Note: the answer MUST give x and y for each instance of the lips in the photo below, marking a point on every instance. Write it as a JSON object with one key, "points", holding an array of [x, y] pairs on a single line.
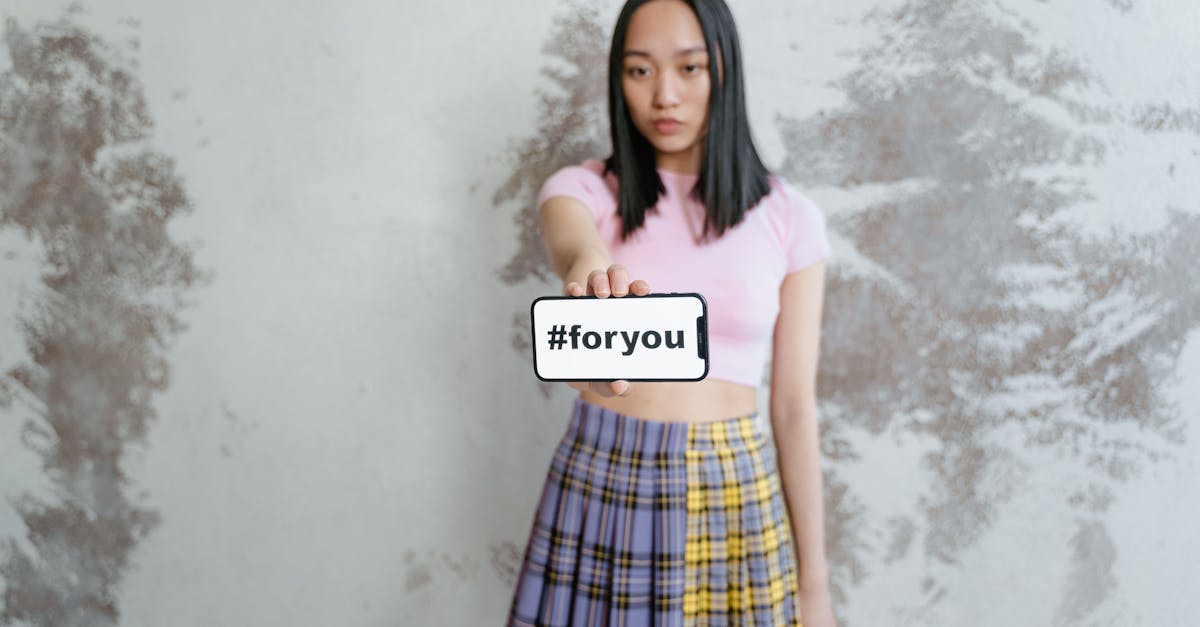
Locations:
{"points": [[667, 125]]}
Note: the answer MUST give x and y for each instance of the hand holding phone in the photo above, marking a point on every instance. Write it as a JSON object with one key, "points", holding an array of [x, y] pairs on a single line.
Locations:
{"points": [[601, 283]]}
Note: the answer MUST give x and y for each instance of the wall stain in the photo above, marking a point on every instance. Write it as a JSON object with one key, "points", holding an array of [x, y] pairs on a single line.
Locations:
{"points": [[995, 324], [421, 570], [77, 177], [573, 128], [1091, 579], [237, 429], [418, 576], [521, 339], [902, 530], [1164, 117], [506, 561]]}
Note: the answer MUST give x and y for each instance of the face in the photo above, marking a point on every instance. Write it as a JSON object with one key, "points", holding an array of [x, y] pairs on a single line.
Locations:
{"points": [[666, 83]]}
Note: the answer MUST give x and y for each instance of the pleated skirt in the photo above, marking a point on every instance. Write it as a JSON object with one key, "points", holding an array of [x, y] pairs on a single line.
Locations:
{"points": [[643, 522]]}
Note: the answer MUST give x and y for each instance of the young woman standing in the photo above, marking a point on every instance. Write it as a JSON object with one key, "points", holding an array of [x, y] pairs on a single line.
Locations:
{"points": [[666, 503]]}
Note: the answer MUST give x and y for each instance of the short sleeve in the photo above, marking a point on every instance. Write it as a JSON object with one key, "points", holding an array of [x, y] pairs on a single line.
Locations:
{"points": [[580, 183], [807, 240]]}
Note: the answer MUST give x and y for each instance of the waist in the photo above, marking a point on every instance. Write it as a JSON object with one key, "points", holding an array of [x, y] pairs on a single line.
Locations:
{"points": [[632, 438], [677, 401]]}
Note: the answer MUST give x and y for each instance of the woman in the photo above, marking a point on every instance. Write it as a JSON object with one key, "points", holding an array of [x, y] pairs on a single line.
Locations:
{"points": [[665, 503]]}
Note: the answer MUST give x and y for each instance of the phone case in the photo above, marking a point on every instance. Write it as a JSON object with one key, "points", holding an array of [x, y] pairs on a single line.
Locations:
{"points": [[656, 337]]}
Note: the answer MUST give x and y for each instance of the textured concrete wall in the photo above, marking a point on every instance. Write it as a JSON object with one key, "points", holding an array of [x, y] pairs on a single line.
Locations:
{"points": [[264, 268]]}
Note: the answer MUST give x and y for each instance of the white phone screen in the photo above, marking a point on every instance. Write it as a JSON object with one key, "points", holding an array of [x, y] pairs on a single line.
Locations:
{"points": [[657, 337]]}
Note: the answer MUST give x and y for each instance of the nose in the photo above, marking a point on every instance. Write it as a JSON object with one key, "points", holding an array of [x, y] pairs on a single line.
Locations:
{"points": [[666, 91]]}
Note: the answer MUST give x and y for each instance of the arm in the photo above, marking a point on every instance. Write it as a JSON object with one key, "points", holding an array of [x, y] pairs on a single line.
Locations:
{"points": [[579, 257], [797, 439], [572, 242]]}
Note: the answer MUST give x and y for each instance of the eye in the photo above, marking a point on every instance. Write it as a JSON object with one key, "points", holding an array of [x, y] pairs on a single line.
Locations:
{"points": [[692, 68], [637, 72]]}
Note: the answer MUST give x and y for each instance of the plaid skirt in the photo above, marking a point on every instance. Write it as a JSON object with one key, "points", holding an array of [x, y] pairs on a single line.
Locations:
{"points": [[658, 523]]}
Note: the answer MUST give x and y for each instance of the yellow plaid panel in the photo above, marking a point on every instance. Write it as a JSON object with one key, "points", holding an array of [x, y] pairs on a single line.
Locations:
{"points": [[739, 565]]}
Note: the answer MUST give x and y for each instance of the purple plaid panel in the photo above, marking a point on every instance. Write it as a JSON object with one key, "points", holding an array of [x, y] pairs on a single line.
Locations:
{"points": [[607, 543]]}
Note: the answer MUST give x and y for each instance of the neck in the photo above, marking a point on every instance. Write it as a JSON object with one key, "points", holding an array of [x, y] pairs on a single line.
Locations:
{"points": [[682, 162]]}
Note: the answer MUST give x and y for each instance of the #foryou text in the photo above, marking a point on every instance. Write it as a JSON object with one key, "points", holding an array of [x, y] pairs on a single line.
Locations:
{"points": [[625, 341]]}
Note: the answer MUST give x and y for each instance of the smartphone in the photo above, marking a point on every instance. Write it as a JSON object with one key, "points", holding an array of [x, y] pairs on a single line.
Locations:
{"points": [[656, 337]]}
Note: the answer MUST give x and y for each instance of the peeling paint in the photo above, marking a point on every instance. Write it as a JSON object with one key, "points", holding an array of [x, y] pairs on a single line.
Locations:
{"points": [[958, 94], [573, 127], [79, 181], [903, 530]]}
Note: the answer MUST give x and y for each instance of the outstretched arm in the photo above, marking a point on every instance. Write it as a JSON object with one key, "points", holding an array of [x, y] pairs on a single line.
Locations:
{"points": [[579, 256], [572, 242]]}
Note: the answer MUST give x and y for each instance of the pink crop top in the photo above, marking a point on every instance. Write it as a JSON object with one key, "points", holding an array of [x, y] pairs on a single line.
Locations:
{"points": [[739, 274]]}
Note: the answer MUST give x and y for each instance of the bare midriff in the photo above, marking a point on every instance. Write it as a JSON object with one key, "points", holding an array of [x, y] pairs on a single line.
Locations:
{"points": [[679, 401]]}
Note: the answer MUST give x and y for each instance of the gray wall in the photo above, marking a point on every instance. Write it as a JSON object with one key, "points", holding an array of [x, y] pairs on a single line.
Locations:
{"points": [[264, 268]]}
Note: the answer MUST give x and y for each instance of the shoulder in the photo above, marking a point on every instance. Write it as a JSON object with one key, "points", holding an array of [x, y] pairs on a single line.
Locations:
{"points": [[589, 172], [785, 205], [791, 207], [799, 223], [585, 181], [787, 198]]}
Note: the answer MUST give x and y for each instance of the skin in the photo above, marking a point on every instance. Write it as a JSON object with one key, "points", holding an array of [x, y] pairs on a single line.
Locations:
{"points": [[665, 74]]}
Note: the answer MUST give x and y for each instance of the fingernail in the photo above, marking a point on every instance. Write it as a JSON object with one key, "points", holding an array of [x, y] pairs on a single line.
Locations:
{"points": [[622, 388]]}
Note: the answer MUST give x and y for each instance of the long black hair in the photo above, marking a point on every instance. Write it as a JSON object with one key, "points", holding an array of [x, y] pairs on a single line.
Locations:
{"points": [[732, 177]]}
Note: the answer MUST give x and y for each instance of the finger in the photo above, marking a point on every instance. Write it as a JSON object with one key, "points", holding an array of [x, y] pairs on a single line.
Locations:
{"points": [[598, 283], [618, 279], [620, 387], [573, 289], [590, 282], [639, 287]]}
